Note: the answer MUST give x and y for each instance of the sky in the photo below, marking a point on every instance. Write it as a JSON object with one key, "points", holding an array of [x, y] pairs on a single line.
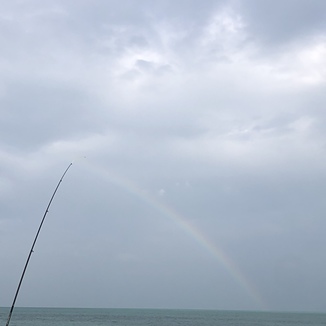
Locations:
{"points": [[197, 135]]}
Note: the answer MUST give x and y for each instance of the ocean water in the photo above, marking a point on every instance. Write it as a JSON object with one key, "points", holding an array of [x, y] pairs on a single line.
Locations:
{"points": [[164, 317]]}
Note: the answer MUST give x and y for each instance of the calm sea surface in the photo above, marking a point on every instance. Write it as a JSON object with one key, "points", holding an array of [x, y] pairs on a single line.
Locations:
{"points": [[145, 317]]}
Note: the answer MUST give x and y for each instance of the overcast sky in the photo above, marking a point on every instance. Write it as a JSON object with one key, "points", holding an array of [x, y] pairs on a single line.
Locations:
{"points": [[197, 135]]}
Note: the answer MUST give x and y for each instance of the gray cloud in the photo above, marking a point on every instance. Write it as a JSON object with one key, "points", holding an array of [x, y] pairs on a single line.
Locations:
{"points": [[202, 128], [281, 22]]}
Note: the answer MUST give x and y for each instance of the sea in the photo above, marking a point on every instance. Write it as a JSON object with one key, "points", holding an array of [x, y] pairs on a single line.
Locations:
{"points": [[155, 317]]}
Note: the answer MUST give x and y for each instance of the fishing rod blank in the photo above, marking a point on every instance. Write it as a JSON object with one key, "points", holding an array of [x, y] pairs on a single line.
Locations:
{"points": [[32, 249]]}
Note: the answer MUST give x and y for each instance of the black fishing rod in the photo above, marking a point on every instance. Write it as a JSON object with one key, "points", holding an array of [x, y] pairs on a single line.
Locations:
{"points": [[32, 249]]}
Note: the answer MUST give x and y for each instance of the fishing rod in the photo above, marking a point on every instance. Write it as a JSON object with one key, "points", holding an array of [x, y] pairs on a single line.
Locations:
{"points": [[32, 248]]}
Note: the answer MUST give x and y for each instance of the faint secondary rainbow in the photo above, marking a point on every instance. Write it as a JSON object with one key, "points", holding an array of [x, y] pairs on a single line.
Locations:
{"points": [[187, 227]]}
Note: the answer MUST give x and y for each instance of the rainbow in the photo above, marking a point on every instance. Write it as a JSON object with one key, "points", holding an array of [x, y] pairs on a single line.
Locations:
{"points": [[197, 235]]}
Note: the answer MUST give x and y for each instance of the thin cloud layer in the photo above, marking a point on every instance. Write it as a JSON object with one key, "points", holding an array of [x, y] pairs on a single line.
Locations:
{"points": [[197, 138]]}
